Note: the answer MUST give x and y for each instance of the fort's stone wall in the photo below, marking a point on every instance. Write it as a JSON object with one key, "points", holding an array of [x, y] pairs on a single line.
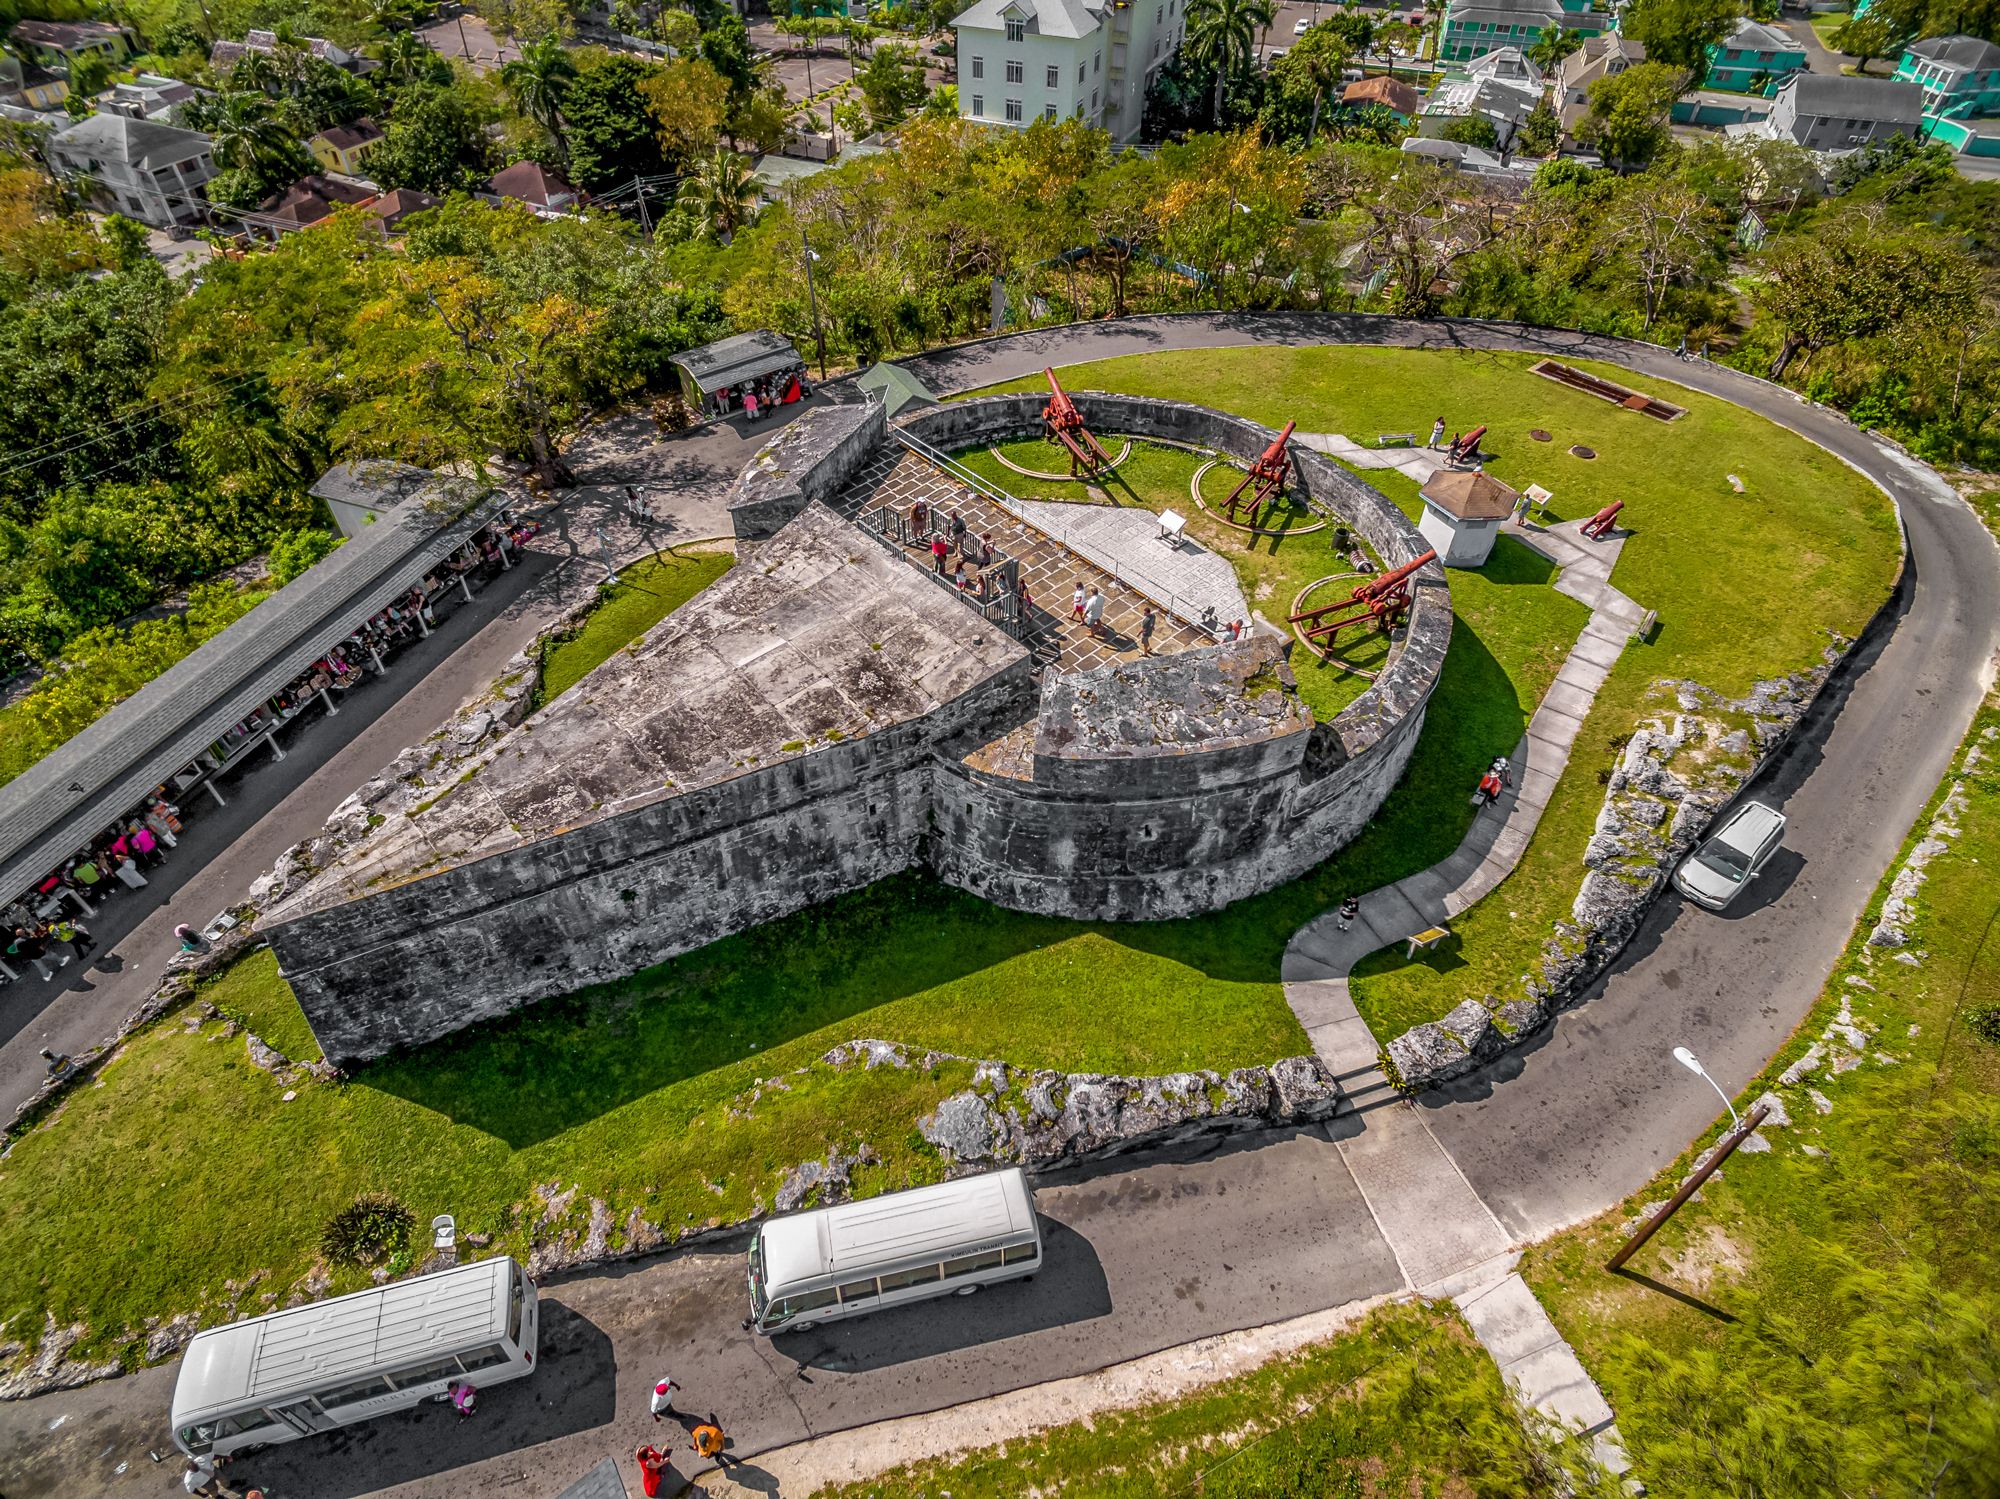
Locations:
{"points": [[809, 460]]}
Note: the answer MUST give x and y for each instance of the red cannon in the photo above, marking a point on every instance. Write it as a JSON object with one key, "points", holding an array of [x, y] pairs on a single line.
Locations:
{"points": [[1599, 525], [1382, 601], [1064, 424], [1265, 481], [1465, 449]]}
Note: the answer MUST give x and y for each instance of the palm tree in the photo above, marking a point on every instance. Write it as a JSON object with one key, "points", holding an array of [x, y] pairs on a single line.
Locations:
{"points": [[539, 77], [1223, 34], [249, 136], [723, 190], [1552, 46], [405, 57]]}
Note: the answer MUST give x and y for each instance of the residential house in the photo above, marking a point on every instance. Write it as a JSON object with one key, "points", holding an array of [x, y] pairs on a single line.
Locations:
{"points": [[148, 97], [225, 55], [1500, 87], [57, 44], [1474, 161], [398, 204], [1828, 112], [1382, 92], [307, 202], [140, 168], [1025, 60], [1754, 59], [1960, 75], [1474, 27], [30, 85], [342, 148], [1603, 56], [532, 183]]}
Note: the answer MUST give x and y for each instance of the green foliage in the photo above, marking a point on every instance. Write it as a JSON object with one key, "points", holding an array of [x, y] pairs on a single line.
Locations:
{"points": [[1540, 133], [101, 668], [1678, 33], [296, 551], [435, 142], [647, 592], [611, 134], [1898, 167], [1629, 111], [1473, 130], [1222, 36], [372, 1229], [893, 84], [1984, 1022], [1554, 44], [1297, 94]]}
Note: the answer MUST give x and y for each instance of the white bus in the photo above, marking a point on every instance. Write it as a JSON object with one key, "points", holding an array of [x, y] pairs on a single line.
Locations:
{"points": [[842, 1261], [312, 1368]]}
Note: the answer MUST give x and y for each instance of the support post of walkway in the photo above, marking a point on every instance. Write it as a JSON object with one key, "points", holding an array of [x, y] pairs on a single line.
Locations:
{"points": [[77, 895], [277, 749], [209, 787], [465, 588], [380, 669], [1724, 1149], [326, 702]]}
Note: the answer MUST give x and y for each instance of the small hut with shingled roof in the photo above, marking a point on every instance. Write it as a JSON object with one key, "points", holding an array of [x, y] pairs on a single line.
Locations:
{"points": [[1463, 512]]}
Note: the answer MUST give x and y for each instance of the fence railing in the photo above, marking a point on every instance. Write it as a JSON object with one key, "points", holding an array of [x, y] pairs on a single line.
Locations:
{"points": [[1190, 612], [996, 598]]}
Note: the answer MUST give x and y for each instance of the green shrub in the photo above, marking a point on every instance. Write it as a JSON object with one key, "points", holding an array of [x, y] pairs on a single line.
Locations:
{"points": [[373, 1228], [1984, 1022]]}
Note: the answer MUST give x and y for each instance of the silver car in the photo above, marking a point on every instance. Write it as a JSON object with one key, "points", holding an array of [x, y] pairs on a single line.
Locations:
{"points": [[1713, 874]]}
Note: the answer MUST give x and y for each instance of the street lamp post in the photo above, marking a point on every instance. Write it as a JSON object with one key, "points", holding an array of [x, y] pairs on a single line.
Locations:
{"points": [[1740, 1130], [812, 295]]}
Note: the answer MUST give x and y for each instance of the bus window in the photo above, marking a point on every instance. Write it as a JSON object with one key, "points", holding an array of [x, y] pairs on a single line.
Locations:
{"points": [[490, 1357], [902, 1279], [859, 1290], [972, 1264], [355, 1393], [1015, 1253], [422, 1374], [788, 1307]]}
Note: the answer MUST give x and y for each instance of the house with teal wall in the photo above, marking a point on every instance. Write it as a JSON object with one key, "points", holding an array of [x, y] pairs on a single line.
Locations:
{"points": [[1472, 28], [1960, 75], [1754, 59]]}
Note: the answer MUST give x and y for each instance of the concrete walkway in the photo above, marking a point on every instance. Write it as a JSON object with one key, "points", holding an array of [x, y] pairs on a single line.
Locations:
{"points": [[1414, 463], [1445, 1238]]}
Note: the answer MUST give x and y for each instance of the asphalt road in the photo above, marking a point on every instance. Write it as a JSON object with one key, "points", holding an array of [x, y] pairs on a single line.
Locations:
{"points": [[1192, 1243]]}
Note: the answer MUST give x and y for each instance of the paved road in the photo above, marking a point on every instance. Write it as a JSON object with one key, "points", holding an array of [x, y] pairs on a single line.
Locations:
{"points": [[1186, 1244], [273, 804]]}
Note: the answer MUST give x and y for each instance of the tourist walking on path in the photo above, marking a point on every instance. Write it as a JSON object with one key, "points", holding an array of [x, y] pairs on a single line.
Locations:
{"points": [[986, 549], [76, 934], [146, 846], [200, 1476], [28, 944], [1093, 612], [127, 871], [710, 1442], [1350, 907], [464, 1398], [1146, 624], [1076, 601], [662, 1402], [939, 548], [653, 1467]]}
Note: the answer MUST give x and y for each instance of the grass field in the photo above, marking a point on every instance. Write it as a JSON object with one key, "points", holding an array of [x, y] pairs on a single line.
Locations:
{"points": [[626, 1091], [1748, 586], [1406, 1403], [1823, 1318], [646, 593]]}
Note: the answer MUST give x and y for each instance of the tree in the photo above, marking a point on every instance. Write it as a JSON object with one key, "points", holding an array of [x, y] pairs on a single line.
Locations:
{"points": [[1898, 167], [407, 58], [434, 142], [255, 145], [723, 190], [612, 134], [1852, 277], [725, 46], [1627, 119], [538, 79], [893, 84], [1300, 81], [688, 101], [1473, 130], [1419, 223], [1680, 32], [1554, 44], [1223, 35], [1666, 232], [1865, 37], [1541, 132]]}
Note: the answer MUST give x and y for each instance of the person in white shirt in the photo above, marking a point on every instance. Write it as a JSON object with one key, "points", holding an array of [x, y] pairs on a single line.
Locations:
{"points": [[200, 1476], [662, 1403]]}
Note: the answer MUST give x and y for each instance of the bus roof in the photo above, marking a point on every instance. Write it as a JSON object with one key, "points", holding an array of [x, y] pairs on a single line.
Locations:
{"points": [[922, 1223], [307, 1347]]}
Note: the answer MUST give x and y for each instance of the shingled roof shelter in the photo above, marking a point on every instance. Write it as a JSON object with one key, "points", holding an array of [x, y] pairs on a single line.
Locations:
{"points": [[730, 363], [168, 730], [1463, 512]]}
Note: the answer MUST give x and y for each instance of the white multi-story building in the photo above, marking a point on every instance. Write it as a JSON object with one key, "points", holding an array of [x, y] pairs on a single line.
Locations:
{"points": [[1025, 60], [144, 170]]}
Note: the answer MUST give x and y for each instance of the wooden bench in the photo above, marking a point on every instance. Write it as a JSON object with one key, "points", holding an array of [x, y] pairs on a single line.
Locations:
{"points": [[1425, 940], [1395, 439]]}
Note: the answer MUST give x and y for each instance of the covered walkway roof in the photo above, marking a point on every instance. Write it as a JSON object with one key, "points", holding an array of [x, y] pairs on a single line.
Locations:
{"points": [[731, 361], [58, 804]]}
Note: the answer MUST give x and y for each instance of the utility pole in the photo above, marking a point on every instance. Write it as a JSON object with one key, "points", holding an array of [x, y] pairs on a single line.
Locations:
{"points": [[645, 220], [464, 47], [812, 295]]}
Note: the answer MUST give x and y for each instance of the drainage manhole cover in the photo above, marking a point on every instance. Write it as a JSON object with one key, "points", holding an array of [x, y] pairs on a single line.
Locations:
{"points": [[1540, 436], [1583, 452]]}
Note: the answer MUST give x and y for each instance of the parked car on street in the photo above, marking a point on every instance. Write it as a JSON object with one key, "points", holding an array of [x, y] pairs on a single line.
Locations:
{"points": [[1714, 874]]}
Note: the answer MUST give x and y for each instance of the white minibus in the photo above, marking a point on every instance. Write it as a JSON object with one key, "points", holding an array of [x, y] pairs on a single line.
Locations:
{"points": [[330, 1363], [836, 1262]]}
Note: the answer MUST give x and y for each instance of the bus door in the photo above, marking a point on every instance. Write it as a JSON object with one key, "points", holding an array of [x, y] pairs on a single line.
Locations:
{"points": [[304, 1416]]}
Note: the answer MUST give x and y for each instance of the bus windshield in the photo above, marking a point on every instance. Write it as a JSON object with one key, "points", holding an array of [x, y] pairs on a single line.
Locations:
{"points": [[759, 1299]]}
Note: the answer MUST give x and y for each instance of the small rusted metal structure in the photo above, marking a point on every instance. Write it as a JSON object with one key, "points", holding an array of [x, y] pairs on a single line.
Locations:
{"points": [[1600, 524], [1382, 601], [1465, 449], [1265, 481], [1063, 424]]}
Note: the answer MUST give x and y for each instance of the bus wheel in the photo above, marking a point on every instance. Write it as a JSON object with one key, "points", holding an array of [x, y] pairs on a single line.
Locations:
{"points": [[965, 1290], [804, 1326]]}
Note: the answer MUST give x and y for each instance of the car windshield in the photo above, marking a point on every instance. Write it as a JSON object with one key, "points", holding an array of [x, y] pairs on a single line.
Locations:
{"points": [[758, 1298], [1724, 860]]}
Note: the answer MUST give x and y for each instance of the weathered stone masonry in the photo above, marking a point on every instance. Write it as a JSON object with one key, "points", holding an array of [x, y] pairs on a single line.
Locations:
{"points": [[825, 716]]}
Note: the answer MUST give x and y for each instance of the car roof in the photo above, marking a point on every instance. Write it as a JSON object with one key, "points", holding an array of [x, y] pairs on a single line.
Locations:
{"points": [[1751, 824]]}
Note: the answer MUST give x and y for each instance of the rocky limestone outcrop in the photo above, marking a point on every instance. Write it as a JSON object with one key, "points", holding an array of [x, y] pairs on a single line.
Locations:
{"points": [[1678, 768]]}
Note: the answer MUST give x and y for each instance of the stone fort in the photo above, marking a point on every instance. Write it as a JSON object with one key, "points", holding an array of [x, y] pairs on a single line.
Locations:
{"points": [[829, 712]]}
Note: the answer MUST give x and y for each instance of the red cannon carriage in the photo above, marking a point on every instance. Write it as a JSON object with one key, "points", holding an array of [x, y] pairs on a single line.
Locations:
{"points": [[1265, 481], [1465, 449], [1064, 424], [1382, 601]]}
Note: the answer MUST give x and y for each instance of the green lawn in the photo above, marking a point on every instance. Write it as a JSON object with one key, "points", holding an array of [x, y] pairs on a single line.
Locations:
{"points": [[646, 593], [1824, 1317], [1406, 1404], [1747, 585]]}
